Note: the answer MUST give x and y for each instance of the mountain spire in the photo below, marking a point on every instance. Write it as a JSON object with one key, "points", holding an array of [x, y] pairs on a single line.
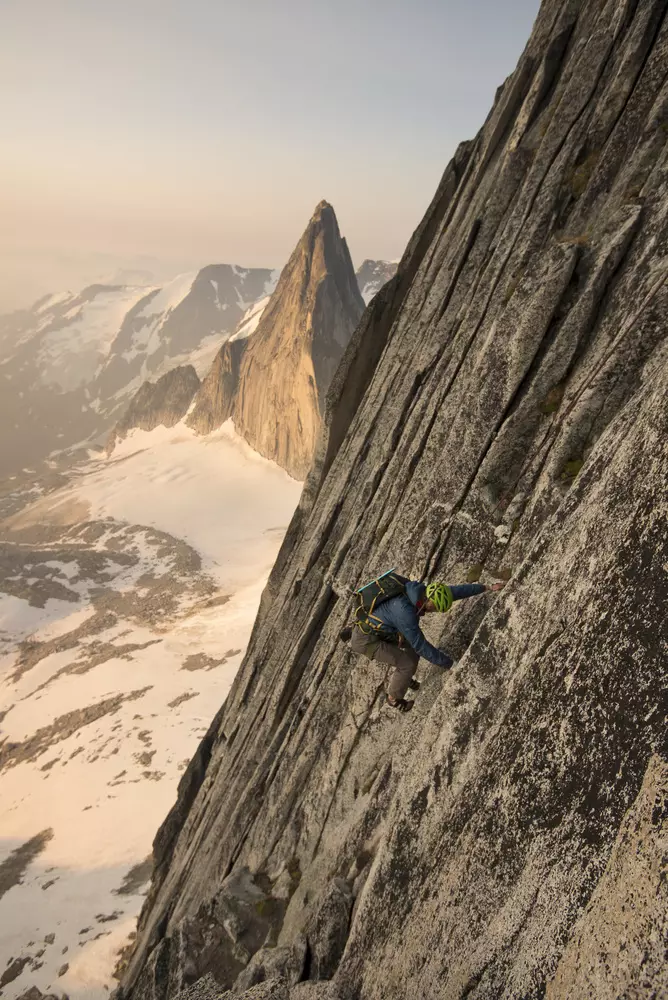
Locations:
{"points": [[289, 362]]}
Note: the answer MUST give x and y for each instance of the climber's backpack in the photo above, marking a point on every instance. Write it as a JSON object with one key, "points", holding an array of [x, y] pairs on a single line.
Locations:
{"points": [[371, 595]]}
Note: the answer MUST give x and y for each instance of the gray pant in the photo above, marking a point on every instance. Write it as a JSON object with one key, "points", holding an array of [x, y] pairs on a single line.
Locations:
{"points": [[404, 660]]}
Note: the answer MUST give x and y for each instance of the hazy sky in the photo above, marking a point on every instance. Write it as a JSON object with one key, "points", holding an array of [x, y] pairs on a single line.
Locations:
{"points": [[196, 131]]}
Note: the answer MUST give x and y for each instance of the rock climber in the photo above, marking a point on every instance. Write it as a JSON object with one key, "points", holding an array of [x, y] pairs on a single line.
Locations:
{"points": [[391, 633]]}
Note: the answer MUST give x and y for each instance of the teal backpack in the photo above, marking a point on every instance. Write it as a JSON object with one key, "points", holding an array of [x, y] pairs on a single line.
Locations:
{"points": [[371, 595]]}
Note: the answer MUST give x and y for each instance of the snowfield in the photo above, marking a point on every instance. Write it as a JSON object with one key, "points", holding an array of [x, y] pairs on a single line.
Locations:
{"points": [[214, 492], [71, 355], [149, 566], [170, 295]]}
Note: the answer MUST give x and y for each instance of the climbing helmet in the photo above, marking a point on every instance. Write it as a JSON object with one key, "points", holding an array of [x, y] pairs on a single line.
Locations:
{"points": [[441, 595]]}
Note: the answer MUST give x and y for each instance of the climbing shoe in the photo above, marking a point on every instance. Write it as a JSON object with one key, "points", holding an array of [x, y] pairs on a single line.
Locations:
{"points": [[413, 684], [401, 703]]}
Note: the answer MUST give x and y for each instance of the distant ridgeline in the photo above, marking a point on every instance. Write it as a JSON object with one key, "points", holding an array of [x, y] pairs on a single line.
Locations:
{"points": [[500, 412], [70, 365], [76, 365]]}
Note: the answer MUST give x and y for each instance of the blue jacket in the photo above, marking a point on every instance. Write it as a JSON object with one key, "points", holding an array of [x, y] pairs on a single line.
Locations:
{"points": [[399, 614]]}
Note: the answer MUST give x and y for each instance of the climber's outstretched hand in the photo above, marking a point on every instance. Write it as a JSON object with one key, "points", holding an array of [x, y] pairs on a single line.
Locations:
{"points": [[497, 586]]}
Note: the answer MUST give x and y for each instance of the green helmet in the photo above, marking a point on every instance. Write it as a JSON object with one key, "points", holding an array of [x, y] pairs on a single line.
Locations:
{"points": [[441, 595]]}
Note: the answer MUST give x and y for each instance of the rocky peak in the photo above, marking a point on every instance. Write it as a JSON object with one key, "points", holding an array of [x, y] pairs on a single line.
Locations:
{"points": [[291, 359], [216, 395], [163, 402]]}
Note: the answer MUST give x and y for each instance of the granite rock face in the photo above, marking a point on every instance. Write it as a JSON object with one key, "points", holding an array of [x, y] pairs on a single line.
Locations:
{"points": [[215, 398], [501, 412], [608, 955], [163, 402], [286, 962], [327, 930], [290, 360]]}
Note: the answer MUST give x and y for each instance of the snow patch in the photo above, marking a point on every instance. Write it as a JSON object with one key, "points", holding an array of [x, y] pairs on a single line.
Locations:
{"points": [[170, 295], [250, 320], [54, 300], [369, 291], [272, 281], [215, 492], [19, 619]]}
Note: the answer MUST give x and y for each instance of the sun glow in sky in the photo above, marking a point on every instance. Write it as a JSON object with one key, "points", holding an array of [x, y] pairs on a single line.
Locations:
{"points": [[163, 134]]}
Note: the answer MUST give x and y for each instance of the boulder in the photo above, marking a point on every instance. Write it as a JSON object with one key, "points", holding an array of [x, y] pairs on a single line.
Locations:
{"points": [[34, 993], [286, 962], [327, 931]]}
